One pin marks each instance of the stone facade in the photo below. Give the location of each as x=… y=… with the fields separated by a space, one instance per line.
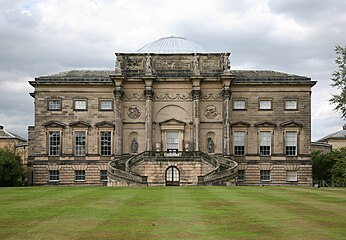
x=172 y=102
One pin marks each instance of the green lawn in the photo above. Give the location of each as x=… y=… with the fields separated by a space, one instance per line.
x=172 y=213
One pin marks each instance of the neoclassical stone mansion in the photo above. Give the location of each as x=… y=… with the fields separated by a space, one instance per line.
x=171 y=114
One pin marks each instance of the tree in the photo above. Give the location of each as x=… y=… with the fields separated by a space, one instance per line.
x=339 y=81
x=11 y=169
x=330 y=167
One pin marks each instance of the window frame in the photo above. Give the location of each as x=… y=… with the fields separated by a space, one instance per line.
x=109 y=145
x=295 y=177
x=51 y=176
x=105 y=100
x=243 y=174
x=265 y=100
x=54 y=109
x=81 y=146
x=239 y=109
x=80 y=100
x=265 y=175
x=57 y=152
x=291 y=109
x=239 y=150
x=263 y=148
x=79 y=175
x=103 y=177
x=290 y=148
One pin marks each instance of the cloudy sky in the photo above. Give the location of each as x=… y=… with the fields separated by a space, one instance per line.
x=39 y=37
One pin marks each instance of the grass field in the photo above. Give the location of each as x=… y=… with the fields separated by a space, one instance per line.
x=172 y=213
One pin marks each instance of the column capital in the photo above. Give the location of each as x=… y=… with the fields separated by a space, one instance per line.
x=196 y=94
x=149 y=94
x=118 y=93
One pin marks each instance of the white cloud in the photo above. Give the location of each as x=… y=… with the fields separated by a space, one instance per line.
x=39 y=37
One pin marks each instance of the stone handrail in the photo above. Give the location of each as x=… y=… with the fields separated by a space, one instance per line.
x=223 y=169
x=117 y=173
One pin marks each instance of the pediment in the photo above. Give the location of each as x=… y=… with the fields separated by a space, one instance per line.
x=54 y=124
x=291 y=124
x=105 y=124
x=172 y=121
x=240 y=124
x=80 y=124
x=265 y=124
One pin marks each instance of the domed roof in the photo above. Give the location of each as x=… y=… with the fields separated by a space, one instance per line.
x=171 y=45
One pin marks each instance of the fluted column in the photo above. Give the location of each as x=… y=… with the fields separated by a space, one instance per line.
x=196 y=94
x=226 y=94
x=118 y=133
x=149 y=95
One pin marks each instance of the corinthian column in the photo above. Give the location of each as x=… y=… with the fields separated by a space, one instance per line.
x=226 y=94
x=118 y=133
x=196 y=94
x=149 y=95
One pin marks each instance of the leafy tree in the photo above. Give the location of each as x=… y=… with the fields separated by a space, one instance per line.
x=339 y=168
x=339 y=81
x=11 y=169
x=322 y=164
x=330 y=167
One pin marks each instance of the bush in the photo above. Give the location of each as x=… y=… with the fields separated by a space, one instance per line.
x=11 y=169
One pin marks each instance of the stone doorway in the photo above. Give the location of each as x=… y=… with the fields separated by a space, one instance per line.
x=172 y=176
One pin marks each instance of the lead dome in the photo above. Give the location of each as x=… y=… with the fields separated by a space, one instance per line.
x=171 y=44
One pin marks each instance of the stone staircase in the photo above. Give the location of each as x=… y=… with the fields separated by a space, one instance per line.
x=120 y=170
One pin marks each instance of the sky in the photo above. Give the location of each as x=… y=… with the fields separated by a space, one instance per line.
x=41 y=37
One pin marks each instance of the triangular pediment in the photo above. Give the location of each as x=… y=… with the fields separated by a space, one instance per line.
x=265 y=124
x=105 y=124
x=291 y=124
x=240 y=124
x=80 y=124
x=172 y=121
x=54 y=124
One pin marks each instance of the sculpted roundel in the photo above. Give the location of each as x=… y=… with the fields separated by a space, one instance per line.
x=134 y=112
x=210 y=112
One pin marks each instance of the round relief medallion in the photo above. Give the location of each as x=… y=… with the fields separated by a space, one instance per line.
x=134 y=112
x=210 y=112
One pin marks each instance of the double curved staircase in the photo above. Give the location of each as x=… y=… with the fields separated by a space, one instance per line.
x=120 y=170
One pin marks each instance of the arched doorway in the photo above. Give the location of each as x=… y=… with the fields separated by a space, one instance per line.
x=172 y=176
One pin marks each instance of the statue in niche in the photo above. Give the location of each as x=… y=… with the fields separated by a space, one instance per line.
x=195 y=64
x=118 y=62
x=211 y=145
x=148 y=65
x=226 y=63
x=134 y=146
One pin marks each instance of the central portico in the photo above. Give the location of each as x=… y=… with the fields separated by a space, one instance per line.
x=172 y=98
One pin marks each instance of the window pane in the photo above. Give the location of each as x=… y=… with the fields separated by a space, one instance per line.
x=291 y=176
x=80 y=104
x=291 y=104
x=80 y=175
x=54 y=105
x=265 y=175
x=239 y=138
x=54 y=143
x=54 y=175
x=106 y=105
x=103 y=175
x=106 y=143
x=239 y=143
x=241 y=175
x=239 y=104
x=265 y=104
x=291 y=138
x=80 y=143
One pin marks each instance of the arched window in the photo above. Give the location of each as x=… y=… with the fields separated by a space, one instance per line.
x=172 y=176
